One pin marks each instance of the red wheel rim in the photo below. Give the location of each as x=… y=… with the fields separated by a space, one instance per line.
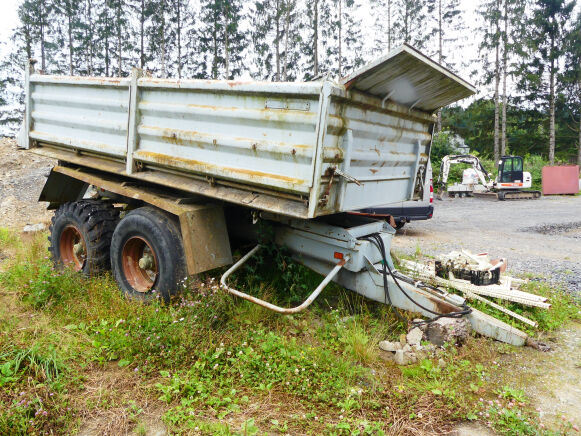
x=139 y=264
x=72 y=247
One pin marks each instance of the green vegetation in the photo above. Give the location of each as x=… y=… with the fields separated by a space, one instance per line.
x=74 y=350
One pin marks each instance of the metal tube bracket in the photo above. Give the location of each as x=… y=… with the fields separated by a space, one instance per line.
x=283 y=310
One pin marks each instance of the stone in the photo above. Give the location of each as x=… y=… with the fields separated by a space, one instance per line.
x=402 y=339
x=31 y=228
x=390 y=346
x=441 y=363
x=401 y=358
x=454 y=330
x=407 y=348
x=386 y=355
x=414 y=336
x=420 y=324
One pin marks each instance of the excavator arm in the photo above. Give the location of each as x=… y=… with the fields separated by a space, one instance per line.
x=469 y=159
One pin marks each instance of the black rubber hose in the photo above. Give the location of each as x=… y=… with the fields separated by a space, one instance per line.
x=376 y=240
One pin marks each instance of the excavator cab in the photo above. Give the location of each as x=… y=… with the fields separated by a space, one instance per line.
x=510 y=170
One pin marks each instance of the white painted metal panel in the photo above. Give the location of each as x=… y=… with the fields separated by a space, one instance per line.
x=408 y=77
x=84 y=114
x=265 y=138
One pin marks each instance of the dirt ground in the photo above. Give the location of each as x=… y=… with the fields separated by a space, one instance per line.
x=22 y=176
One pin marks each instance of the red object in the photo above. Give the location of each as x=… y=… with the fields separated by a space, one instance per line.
x=338 y=255
x=431 y=191
x=561 y=179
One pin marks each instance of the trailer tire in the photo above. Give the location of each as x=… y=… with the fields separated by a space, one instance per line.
x=80 y=235
x=147 y=256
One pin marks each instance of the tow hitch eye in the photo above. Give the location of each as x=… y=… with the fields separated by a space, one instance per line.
x=146 y=262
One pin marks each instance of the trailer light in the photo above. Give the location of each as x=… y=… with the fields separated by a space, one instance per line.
x=338 y=255
x=431 y=191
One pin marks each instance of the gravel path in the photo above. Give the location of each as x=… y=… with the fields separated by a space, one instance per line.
x=536 y=236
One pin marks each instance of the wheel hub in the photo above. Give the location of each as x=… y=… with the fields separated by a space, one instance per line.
x=72 y=247
x=139 y=262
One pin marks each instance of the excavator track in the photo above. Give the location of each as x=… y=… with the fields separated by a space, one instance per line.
x=518 y=195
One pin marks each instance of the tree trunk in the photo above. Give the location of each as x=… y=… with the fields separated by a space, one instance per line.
x=579 y=143
x=496 y=86
x=179 y=37
x=340 y=36
x=277 y=41
x=107 y=44
x=163 y=53
x=286 y=30
x=119 y=42
x=388 y=25
x=215 y=54
x=504 y=74
x=440 y=57
x=316 y=40
x=227 y=47
x=552 y=110
x=70 y=32
x=142 y=35
x=42 y=42
x=90 y=53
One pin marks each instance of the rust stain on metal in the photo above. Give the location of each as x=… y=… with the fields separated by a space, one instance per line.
x=194 y=165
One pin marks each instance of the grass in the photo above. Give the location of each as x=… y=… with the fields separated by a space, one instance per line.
x=76 y=354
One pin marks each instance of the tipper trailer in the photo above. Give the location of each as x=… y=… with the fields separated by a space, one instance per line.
x=195 y=163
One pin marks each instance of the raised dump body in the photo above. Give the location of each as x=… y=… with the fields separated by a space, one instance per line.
x=298 y=149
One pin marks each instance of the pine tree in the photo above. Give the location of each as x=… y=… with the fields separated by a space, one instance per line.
x=572 y=75
x=490 y=12
x=178 y=15
x=341 y=30
x=87 y=30
x=222 y=41
x=268 y=36
x=449 y=25
x=382 y=10
x=292 y=40
x=409 y=23
x=311 y=43
x=105 y=35
x=545 y=49
x=70 y=12
x=143 y=10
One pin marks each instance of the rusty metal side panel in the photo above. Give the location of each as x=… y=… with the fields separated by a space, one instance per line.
x=203 y=226
x=382 y=149
x=205 y=238
x=84 y=114
x=261 y=138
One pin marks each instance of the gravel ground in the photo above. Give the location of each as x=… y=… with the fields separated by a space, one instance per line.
x=536 y=236
x=22 y=177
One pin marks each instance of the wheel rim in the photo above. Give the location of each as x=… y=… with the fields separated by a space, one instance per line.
x=139 y=264
x=72 y=247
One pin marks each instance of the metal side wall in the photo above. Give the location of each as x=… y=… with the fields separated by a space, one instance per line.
x=88 y=114
x=264 y=136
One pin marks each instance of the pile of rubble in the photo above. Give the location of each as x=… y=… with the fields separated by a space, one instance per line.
x=409 y=348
